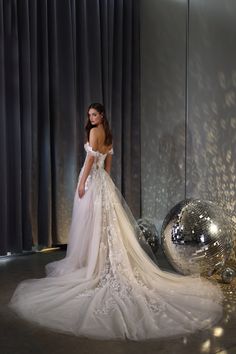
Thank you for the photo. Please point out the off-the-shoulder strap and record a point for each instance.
(90, 150)
(111, 151)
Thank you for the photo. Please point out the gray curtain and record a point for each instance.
(56, 57)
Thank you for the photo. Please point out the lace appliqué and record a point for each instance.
(118, 279)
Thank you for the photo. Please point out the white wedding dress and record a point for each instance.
(107, 287)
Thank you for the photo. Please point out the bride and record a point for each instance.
(107, 287)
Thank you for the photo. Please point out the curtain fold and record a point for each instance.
(57, 57)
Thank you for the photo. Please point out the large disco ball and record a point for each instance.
(197, 236)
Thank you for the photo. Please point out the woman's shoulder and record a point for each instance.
(94, 131)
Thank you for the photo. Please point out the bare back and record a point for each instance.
(100, 135)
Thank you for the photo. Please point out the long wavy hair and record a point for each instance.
(88, 126)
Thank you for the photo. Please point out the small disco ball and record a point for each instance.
(150, 233)
(227, 275)
(197, 237)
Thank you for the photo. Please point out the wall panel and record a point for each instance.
(211, 139)
(163, 57)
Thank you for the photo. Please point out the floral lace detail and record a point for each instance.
(97, 170)
(115, 276)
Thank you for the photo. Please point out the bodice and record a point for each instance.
(98, 164)
(99, 157)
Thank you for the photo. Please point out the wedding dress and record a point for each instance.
(107, 287)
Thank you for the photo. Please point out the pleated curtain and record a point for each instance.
(57, 57)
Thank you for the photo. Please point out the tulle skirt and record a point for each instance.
(107, 287)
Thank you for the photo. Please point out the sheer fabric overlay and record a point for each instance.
(107, 286)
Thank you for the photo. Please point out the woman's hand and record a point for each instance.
(81, 190)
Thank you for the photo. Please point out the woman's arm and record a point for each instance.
(89, 162)
(87, 169)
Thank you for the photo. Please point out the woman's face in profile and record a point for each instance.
(94, 116)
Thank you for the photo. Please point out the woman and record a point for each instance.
(107, 287)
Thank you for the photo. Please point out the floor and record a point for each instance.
(21, 337)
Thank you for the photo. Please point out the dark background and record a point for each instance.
(166, 72)
(56, 57)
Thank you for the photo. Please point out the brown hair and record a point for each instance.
(88, 126)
